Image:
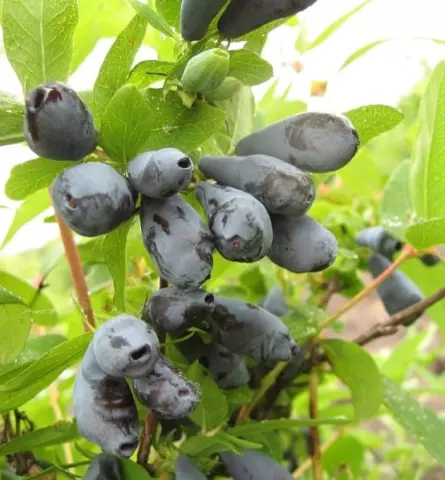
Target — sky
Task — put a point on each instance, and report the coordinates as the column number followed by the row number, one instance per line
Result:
column 382, row 76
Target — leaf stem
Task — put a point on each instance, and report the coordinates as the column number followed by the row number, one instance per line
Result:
column 407, row 253
column 267, row 382
column 77, row 273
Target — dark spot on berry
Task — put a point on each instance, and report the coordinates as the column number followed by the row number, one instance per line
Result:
column 209, row 299
column 118, row 342
column 183, row 392
column 181, row 213
column 140, row 352
column 162, row 222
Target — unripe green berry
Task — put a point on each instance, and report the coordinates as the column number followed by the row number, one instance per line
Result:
column 206, row 71
column 226, row 90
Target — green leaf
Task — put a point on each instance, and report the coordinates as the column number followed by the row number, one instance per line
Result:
column 357, row 369
column 428, row 172
column 395, row 208
column 170, row 12
column 43, row 312
column 283, row 424
column 148, row 72
column 348, row 451
column 328, row 32
column 177, row 126
column 98, row 19
column 362, row 51
column 428, row 233
column 15, row 324
column 241, row 111
column 38, row 39
column 29, row 177
column 124, row 127
column 373, row 120
column 36, row 347
column 33, row 206
column 114, row 251
column 249, row 68
column 8, row 298
column 133, row 471
column 419, row 421
column 212, row 409
column 35, row 378
column 11, row 120
column 207, row 446
column 117, row 64
column 152, row 18
column 60, row 432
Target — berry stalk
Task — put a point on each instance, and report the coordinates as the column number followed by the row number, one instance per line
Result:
column 77, row 273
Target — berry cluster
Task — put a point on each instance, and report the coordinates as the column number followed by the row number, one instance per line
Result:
column 254, row 204
column 127, row 348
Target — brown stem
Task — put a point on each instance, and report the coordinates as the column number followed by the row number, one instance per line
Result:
column 409, row 252
column 390, row 326
column 77, row 274
column 146, row 440
column 314, row 434
column 333, row 286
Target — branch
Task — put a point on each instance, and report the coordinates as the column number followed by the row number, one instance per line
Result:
column 77, row 274
column 314, row 433
column 409, row 252
column 390, row 326
column 146, row 440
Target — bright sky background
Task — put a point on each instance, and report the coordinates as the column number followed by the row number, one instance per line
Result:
column 381, row 76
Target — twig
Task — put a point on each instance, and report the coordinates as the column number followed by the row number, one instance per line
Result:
column 409, row 252
column 389, row 326
column 146, row 440
column 76, row 272
column 314, row 433
column 267, row 382
column 308, row 462
column 333, row 286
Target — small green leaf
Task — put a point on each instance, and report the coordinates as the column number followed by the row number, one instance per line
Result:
column 124, row 129
column 8, row 298
column 220, row 442
column 212, row 409
column 373, row 120
column 152, row 18
column 265, row 426
column 419, row 421
column 428, row 233
column 36, row 347
column 133, row 471
column 357, row 369
column 34, row 205
column 346, row 451
column 54, row 361
column 117, row 64
column 29, row 177
column 60, row 432
column 15, row 324
column 241, row 110
column 249, row 68
column 11, row 120
column 148, row 72
column 178, row 126
column 43, row 311
column 114, row 251
column 38, row 39
column 396, row 210
column 428, row 172
column 329, row 31
column 170, row 11
column 362, row 51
